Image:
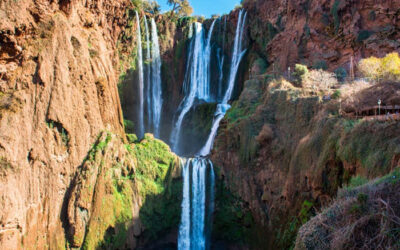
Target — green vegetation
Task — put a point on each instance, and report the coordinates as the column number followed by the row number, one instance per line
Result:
column 60, row 129
column 336, row 94
column 300, row 73
column 129, row 126
column 115, row 181
column 321, row 64
column 160, row 194
column 286, row 236
column 180, row 7
column 341, row 74
column 357, row 181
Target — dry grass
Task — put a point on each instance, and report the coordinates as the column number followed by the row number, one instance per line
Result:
column 366, row 217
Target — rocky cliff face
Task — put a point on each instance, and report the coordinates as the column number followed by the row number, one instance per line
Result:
column 322, row 33
column 58, row 90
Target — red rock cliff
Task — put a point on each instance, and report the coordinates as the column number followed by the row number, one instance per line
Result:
column 57, row 92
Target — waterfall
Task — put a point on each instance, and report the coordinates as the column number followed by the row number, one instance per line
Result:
column 196, row 218
column 193, row 229
column 236, row 56
column 224, row 106
column 148, row 75
column 219, row 114
column 220, row 61
column 184, row 229
column 197, row 78
column 156, row 80
column 140, row 130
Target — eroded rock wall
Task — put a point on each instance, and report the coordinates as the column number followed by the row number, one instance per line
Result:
column 319, row 33
column 58, row 76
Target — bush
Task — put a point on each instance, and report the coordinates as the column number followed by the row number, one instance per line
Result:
column 300, row 73
column 391, row 66
column 320, row 65
column 336, row 94
column 320, row 80
column 129, row 126
column 387, row 68
column 341, row 74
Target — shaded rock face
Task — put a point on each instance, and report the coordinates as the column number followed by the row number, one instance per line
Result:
column 57, row 92
column 314, row 32
column 279, row 150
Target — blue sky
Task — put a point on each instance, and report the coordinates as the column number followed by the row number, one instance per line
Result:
column 206, row 7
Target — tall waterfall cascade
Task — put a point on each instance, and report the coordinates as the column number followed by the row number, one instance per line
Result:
column 156, row 91
column 150, row 82
column 140, row 130
column 197, row 78
column 222, row 108
column 198, row 173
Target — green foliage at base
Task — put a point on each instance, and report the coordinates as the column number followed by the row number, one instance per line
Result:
column 116, row 215
column 160, row 194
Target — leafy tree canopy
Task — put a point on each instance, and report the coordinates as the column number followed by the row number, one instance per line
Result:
column 180, row 7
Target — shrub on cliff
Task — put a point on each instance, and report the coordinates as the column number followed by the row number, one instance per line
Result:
column 320, row 80
column 300, row 73
column 386, row 68
column 341, row 74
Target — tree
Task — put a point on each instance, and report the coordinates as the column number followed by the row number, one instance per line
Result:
column 387, row 68
column 180, row 7
column 300, row 73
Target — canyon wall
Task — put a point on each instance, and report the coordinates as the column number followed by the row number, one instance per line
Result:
column 58, row 80
column 322, row 33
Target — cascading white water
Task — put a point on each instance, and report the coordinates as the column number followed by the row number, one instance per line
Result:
column 184, row 229
column 193, row 228
column 224, row 106
column 140, row 131
column 196, row 216
column 236, row 56
column 148, row 75
column 219, row 114
column 197, row 79
column 220, row 61
column 156, row 80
